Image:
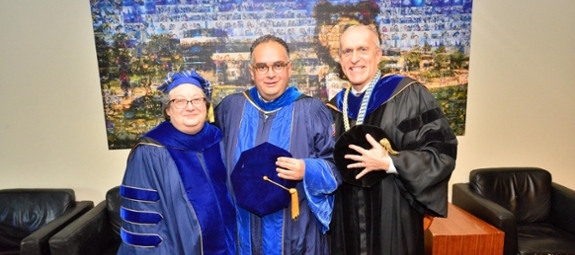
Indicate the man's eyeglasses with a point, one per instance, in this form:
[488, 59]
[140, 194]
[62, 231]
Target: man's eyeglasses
[277, 67]
[181, 103]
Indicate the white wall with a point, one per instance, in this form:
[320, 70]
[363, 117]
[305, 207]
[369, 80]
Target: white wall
[520, 111]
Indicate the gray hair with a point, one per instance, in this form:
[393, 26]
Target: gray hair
[265, 39]
[165, 101]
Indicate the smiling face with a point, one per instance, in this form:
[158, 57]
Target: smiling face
[359, 55]
[190, 119]
[270, 84]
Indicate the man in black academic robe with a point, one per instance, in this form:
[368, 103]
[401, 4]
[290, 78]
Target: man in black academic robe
[383, 215]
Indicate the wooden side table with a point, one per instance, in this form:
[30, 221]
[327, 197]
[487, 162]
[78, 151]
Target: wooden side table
[462, 233]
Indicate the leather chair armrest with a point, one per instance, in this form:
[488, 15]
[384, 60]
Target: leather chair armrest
[488, 211]
[90, 234]
[37, 242]
[562, 207]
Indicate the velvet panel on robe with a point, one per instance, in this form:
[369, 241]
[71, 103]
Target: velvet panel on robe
[304, 128]
[387, 218]
[175, 196]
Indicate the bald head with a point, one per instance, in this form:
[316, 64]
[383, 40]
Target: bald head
[361, 28]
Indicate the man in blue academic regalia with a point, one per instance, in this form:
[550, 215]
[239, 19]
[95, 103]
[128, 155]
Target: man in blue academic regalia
[271, 112]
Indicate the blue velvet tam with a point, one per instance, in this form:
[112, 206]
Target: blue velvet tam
[252, 192]
[188, 76]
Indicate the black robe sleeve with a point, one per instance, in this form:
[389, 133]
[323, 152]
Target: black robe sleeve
[427, 145]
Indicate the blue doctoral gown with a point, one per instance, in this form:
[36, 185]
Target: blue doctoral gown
[302, 126]
[175, 196]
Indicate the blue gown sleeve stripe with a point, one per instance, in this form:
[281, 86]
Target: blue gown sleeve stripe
[139, 217]
[139, 194]
[142, 240]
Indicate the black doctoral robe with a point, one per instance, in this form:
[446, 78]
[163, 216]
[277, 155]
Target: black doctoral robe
[387, 218]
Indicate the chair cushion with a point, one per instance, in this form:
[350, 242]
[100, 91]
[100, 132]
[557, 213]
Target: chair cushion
[10, 238]
[525, 192]
[10, 252]
[542, 238]
[23, 211]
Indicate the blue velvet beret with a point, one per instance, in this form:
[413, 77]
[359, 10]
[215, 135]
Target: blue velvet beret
[186, 77]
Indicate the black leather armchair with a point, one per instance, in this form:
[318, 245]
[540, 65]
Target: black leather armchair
[536, 214]
[29, 217]
[94, 233]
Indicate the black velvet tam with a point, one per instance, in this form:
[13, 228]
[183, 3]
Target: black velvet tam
[252, 192]
[356, 136]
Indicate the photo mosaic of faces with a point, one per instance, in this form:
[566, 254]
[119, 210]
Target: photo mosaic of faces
[139, 41]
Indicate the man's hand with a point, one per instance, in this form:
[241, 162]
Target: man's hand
[374, 159]
[290, 168]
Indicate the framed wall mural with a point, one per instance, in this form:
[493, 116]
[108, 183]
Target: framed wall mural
[139, 41]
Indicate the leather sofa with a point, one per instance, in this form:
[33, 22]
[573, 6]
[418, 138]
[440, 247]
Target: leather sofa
[94, 233]
[29, 217]
[536, 214]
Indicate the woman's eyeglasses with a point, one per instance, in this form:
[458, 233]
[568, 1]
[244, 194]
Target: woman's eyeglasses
[181, 103]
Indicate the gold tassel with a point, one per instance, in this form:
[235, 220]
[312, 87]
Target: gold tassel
[294, 204]
[387, 145]
[210, 115]
[294, 198]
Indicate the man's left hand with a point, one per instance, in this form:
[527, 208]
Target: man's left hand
[374, 159]
[290, 168]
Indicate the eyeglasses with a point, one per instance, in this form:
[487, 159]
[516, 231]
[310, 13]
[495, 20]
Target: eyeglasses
[277, 67]
[181, 103]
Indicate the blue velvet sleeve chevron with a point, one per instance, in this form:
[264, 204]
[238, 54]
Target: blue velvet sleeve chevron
[139, 217]
[139, 194]
[140, 240]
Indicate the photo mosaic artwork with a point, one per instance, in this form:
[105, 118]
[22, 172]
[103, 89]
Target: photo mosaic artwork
[139, 41]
